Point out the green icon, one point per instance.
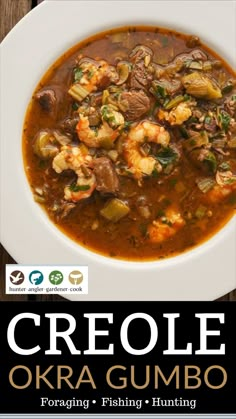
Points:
(56, 277)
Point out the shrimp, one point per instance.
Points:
(219, 193)
(165, 227)
(78, 160)
(71, 158)
(176, 116)
(226, 184)
(145, 131)
(82, 189)
(106, 134)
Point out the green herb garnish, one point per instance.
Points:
(75, 106)
(160, 91)
(166, 156)
(224, 120)
(74, 187)
(224, 166)
(90, 74)
(155, 173)
(107, 115)
(78, 74)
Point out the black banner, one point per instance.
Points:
(118, 357)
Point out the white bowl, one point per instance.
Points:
(204, 273)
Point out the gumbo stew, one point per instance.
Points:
(129, 143)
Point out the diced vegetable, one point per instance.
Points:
(201, 86)
(205, 184)
(174, 102)
(207, 66)
(114, 210)
(194, 65)
(200, 212)
(197, 140)
(123, 71)
(45, 145)
(74, 187)
(218, 142)
(225, 178)
(39, 199)
(105, 96)
(78, 92)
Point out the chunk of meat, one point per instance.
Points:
(136, 102)
(171, 85)
(68, 125)
(140, 52)
(140, 77)
(106, 177)
(47, 99)
(196, 54)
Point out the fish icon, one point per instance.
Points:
(36, 277)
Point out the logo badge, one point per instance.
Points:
(36, 277)
(17, 277)
(55, 277)
(76, 277)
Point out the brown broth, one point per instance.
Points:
(125, 239)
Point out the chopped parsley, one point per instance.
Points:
(155, 173)
(224, 120)
(78, 74)
(75, 106)
(74, 187)
(166, 156)
(90, 74)
(107, 115)
(224, 166)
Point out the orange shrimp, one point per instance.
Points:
(226, 184)
(165, 227)
(145, 131)
(74, 158)
(105, 133)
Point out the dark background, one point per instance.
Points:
(187, 330)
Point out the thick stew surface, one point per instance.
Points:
(129, 143)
